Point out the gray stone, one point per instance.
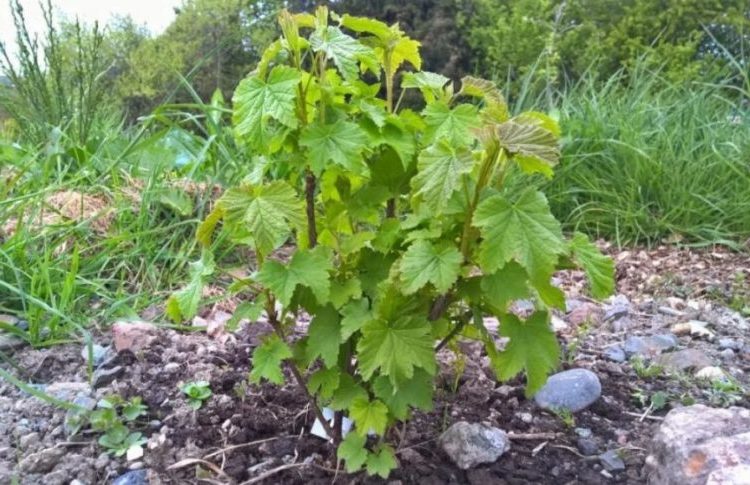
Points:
(68, 391)
(615, 354)
(729, 343)
(571, 390)
(99, 353)
(695, 441)
(611, 461)
(102, 377)
(41, 461)
(682, 360)
(727, 354)
(470, 444)
(587, 446)
(649, 346)
(28, 441)
(76, 418)
(617, 307)
(10, 342)
(584, 432)
(135, 477)
(171, 368)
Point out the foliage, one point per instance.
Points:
(404, 233)
(111, 418)
(197, 392)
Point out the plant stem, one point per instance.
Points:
(312, 232)
(450, 335)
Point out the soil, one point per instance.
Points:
(244, 432)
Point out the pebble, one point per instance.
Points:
(587, 446)
(615, 354)
(649, 346)
(729, 343)
(571, 390)
(683, 359)
(617, 307)
(67, 391)
(710, 373)
(41, 461)
(584, 432)
(102, 377)
(99, 352)
(171, 368)
(471, 444)
(611, 461)
(28, 441)
(74, 418)
(135, 477)
(727, 354)
(10, 342)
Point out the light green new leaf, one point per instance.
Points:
(267, 359)
(343, 50)
(405, 50)
(382, 462)
(352, 450)
(431, 84)
(396, 349)
(496, 108)
(323, 336)
(600, 269)
(426, 263)
(534, 148)
(256, 100)
(524, 230)
(416, 392)
(369, 415)
(341, 143)
(366, 25)
(183, 304)
(503, 286)
(308, 268)
(455, 125)
(440, 169)
(532, 348)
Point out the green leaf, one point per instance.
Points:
(369, 415)
(382, 462)
(505, 285)
(352, 450)
(344, 291)
(424, 262)
(267, 212)
(343, 50)
(396, 349)
(431, 84)
(267, 359)
(324, 382)
(178, 201)
(532, 348)
(250, 310)
(323, 336)
(496, 108)
(207, 227)
(366, 25)
(455, 125)
(523, 230)
(416, 392)
(355, 315)
(347, 391)
(440, 169)
(309, 268)
(404, 50)
(183, 304)
(600, 269)
(534, 148)
(256, 101)
(341, 143)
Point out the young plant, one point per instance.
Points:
(196, 393)
(110, 417)
(402, 232)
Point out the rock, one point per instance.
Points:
(695, 328)
(28, 441)
(134, 453)
(470, 444)
(671, 312)
(649, 346)
(584, 313)
(682, 360)
(10, 342)
(732, 475)
(611, 461)
(135, 477)
(695, 441)
(102, 377)
(75, 419)
(41, 461)
(100, 354)
(558, 324)
(726, 317)
(133, 336)
(729, 343)
(571, 390)
(171, 368)
(584, 432)
(727, 354)
(587, 446)
(710, 373)
(615, 354)
(68, 391)
(527, 418)
(101, 461)
(616, 307)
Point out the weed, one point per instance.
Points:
(197, 392)
(566, 417)
(644, 369)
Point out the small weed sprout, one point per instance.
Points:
(197, 392)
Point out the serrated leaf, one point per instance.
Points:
(426, 263)
(178, 201)
(341, 143)
(324, 382)
(431, 84)
(532, 348)
(345, 51)
(344, 291)
(347, 391)
(416, 392)
(524, 230)
(323, 336)
(352, 450)
(440, 169)
(396, 349)
(382, 462)
(366, 25)
(250, 310)
(403, 50)
(183, 304)
(207, 227)
(309, 268)
(256, 101)
(355, 315)
(600, 269)
(505, 285)
(535, 149)
(454, 125)
(267, 359)
(496, 108)
(369, 415)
